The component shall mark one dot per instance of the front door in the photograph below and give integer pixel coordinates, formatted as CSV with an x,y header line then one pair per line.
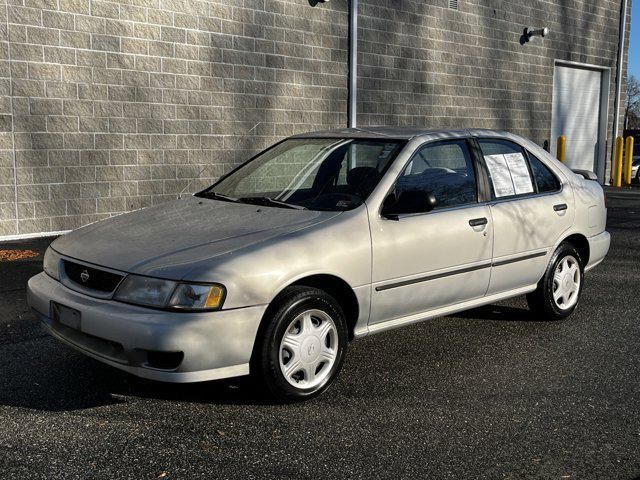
x,y
443,257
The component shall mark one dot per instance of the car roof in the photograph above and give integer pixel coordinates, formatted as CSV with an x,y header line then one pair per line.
x,y
395,133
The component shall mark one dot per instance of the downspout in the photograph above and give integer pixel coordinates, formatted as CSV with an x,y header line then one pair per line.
x,y
621,42
13,128
352,86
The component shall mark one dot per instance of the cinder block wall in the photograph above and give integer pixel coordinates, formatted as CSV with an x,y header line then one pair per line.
x,y
112,106
108,106
429,65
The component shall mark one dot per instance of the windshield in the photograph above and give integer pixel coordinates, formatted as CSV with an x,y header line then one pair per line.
x,y
314,173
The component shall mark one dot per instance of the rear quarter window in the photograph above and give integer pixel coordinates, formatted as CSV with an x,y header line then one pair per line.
x,y
545,180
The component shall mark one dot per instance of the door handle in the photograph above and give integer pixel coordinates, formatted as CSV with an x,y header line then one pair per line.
x,y
560,207
476,222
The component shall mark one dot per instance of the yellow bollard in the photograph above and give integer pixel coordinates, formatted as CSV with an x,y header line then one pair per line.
x,y
617,165
628,164
561,148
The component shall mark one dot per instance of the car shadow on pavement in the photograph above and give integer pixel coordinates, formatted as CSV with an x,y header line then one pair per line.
x,y
43,374
56,378
499,313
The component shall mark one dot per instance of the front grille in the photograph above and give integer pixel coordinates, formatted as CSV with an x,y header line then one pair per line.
x,y
91,278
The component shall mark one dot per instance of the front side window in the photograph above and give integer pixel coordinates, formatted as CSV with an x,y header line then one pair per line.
x,y
546,181
314,173
444,170
508,169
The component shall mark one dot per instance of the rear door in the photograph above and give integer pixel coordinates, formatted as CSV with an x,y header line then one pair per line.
x,y
530,208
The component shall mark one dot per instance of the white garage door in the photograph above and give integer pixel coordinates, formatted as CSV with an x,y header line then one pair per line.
x,y
576,114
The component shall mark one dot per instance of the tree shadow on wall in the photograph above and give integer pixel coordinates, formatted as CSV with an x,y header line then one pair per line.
x,y
497,69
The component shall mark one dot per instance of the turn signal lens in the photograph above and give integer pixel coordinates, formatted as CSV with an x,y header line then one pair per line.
x,y
214,299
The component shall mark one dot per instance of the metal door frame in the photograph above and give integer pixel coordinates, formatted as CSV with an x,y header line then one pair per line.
x,y
603,141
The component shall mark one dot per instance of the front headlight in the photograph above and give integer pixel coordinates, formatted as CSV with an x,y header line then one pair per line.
x,y
151,292
51,263
197,297
155,292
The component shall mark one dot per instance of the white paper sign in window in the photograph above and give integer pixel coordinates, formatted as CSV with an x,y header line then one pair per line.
x,y
509,174
519,173
500,176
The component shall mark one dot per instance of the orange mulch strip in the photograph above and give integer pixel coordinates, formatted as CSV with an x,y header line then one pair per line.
x,y
11,255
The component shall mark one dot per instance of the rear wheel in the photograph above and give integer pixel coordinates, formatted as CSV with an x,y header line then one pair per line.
x,y
559,290
302,348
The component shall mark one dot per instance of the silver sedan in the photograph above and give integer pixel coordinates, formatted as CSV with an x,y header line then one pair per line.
x,y
321,239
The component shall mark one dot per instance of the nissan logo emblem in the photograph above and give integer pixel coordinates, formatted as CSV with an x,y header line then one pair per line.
x,y
84,276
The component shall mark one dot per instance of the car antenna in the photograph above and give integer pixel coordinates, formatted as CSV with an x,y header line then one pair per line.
x,y
204,168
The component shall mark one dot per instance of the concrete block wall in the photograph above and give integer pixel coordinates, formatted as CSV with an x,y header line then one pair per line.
x,y
108,106
427,65
112,106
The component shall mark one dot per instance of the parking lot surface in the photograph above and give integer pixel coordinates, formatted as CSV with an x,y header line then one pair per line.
x,y
491,393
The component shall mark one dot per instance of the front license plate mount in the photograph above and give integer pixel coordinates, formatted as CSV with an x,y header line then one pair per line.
x,y
67,316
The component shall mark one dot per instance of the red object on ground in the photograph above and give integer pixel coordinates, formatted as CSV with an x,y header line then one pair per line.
x,y
11,255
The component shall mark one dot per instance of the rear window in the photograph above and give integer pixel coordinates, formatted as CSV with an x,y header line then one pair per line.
x,y
508,169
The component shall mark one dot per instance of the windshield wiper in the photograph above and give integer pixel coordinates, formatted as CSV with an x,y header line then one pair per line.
x,y
217,196
270,201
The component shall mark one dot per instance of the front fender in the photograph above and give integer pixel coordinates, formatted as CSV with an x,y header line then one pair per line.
x,y
254,275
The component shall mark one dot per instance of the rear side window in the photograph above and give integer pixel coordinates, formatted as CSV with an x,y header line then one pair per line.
x,y
443,169
545,179
508,169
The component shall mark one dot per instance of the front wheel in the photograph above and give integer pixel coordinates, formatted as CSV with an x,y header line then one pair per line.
x,y
302,347
559,290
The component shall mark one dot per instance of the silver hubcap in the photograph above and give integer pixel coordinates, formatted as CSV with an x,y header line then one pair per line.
x,y
308,349
566,283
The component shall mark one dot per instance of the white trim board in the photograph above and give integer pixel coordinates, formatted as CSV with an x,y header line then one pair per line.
x,y
25,236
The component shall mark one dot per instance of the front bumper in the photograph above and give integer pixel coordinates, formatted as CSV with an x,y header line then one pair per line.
x,y
215,344
598,249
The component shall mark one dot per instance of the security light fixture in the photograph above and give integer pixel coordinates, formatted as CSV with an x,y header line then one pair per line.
x,y
531,32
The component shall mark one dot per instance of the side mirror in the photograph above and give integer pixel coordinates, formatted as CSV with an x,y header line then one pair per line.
x,y
409,201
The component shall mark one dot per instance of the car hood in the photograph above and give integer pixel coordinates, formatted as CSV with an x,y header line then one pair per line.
x,y
167,240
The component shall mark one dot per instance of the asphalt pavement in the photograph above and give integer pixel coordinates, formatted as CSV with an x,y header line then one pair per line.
x,y
492,393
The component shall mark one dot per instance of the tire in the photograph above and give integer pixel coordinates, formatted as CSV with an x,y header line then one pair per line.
x,y
302,344
563,277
